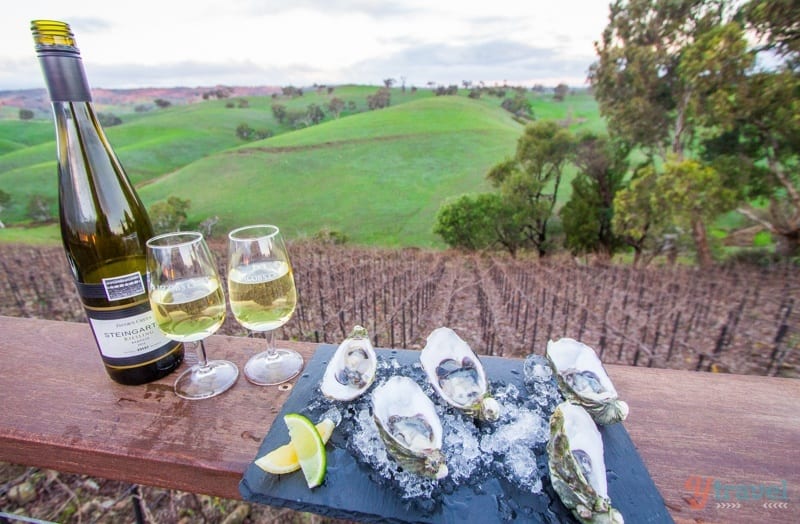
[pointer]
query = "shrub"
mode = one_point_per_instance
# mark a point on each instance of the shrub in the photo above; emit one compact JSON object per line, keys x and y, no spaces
{"x":330,"y":236}
{"x":169,"y":215}
{"x":561,"y":92}
{"x":519,"y":106}
{"x":39,"y":208}
{"x":382,"y":98}
{"x":447,"y":91}
{"x":245,"y":132}
{"x":279,"y":112}
{"x":108,"y":119}
{"x":292,"y":91}
{"x":335,"y":106}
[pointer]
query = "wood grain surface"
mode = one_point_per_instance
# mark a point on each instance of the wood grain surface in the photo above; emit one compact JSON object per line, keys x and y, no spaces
{"x":720,"y":448}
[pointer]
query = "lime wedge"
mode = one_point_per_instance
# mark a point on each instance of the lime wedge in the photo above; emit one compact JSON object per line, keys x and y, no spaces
{"x":284,"y":458}
{"x":309,"y":447}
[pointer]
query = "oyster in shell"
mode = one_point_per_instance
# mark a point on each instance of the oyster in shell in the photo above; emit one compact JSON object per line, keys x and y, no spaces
{"x":409,"y":426}
{"x":352,"y":367}
{"x":583,"y":380}
{"x":577,"y":467}
{"x":457,"y":374}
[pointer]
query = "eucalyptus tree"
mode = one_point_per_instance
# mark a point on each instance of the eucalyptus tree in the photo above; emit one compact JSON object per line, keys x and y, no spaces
{"x":761,"y":128}
{"x":529,"y":182}
{"x":480,"y":221}
{"x":602,"y":167}
{"x":658,"y":62}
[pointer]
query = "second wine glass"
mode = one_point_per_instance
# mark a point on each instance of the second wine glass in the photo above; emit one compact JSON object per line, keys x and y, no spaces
{"x":263,"y":298}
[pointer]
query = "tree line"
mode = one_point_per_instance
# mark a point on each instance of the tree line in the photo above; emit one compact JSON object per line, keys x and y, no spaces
{"x":519,"y":105}
{"x":701,"y":100}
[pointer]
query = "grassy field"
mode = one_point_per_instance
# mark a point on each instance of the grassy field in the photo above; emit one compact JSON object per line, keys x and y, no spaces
{"x":377,"y":176}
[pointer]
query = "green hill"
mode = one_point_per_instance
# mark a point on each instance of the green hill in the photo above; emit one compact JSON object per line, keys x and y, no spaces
{"x":377,"y":176}
{"x":16,"y":135}
{"x":148,"y":144}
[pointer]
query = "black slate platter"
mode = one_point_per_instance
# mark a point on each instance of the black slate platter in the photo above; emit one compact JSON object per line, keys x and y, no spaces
{"x":350,"y":491}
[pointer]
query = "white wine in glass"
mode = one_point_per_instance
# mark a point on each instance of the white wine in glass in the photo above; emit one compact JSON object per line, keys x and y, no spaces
{"x":263,"y":297}
{"x":189,"y":305}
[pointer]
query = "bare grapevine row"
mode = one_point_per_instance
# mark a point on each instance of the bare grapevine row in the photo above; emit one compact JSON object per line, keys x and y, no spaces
{"x":738,"y":319}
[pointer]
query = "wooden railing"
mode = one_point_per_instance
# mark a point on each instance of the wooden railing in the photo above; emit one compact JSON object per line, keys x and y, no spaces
{"x":720,"y":448}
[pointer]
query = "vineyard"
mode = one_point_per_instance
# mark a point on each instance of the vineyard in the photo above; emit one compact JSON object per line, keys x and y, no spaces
{"x":736,"y":319}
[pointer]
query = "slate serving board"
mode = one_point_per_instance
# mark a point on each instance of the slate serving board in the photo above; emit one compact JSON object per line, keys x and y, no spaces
{"x":349,"y":492}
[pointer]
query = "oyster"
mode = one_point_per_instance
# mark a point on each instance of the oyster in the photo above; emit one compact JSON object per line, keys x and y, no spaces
{"x":577,"y":467}
{"x":583,"y":380}
{"x":457,"y":374}
{"x":409,"y":426}
{"x":352,"y":367}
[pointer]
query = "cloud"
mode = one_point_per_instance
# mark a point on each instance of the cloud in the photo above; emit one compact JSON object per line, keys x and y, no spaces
{"x":302,"y":42}
{"x":488,"y":27}
{"x":81,"y":25}
{"x":17,"y":73}
{"x":377,"y":10}
{"x":197,"y":73}
{"x":490,"y":61}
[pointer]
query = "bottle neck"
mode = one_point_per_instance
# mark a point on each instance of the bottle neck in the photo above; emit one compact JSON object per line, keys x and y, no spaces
{"x":65,"y":77}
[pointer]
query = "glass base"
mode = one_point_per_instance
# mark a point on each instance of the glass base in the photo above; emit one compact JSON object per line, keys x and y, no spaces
{"x":204,"y":382}
{"x":267,"y":370}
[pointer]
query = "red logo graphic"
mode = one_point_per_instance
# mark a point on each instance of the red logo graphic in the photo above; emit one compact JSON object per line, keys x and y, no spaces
{"x":700,"y":489}
{"x":731,"y":496}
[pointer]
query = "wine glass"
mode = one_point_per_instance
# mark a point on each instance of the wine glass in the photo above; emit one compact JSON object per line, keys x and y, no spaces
{"x":189,"y":305}
{"x":263,"y":297}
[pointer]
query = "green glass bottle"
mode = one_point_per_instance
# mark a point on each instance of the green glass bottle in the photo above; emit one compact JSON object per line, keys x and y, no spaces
{"x":104,"y":225}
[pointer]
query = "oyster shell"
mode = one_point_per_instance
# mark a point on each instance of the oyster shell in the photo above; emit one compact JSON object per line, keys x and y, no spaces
{"x":352,"y":367}
{"x":583,"y":380}
{"x":577,"y":467}
{"x":457,"y":374}
{"x":409,"y":426}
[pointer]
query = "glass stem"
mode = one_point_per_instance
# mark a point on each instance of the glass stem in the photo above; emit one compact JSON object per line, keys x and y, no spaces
{"x":200,"y":348}
{"x":269,"y":336}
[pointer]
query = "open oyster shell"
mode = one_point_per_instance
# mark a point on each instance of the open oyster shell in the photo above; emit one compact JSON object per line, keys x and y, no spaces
{"x":583,"y":380}
{"x":352,"y":368}
{"x":457,"y":375}
{"x":577,"y":467}
{"x":409,"y":426}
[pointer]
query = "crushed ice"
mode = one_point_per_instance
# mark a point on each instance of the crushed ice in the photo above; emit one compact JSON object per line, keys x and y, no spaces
{"x":513,"y":448}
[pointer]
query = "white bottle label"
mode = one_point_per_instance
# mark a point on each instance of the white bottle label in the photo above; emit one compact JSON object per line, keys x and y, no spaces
{"x":123,"y":338}
{"x":125,"y":286}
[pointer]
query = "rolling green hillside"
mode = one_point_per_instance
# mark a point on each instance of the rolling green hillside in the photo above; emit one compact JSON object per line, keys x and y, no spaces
{"x":377,"y":176}
{"x":149,"y":144}
{"x":16,"y":135}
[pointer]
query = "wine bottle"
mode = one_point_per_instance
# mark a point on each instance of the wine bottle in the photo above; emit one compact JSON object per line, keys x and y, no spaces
{"x":104,"y":225}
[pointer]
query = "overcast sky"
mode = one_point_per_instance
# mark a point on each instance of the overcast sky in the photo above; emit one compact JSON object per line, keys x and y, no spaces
{"x":164,"y":43}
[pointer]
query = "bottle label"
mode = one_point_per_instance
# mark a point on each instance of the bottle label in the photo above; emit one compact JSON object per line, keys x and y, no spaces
{"x":125,"y":286}
{"x":126,"y":335}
